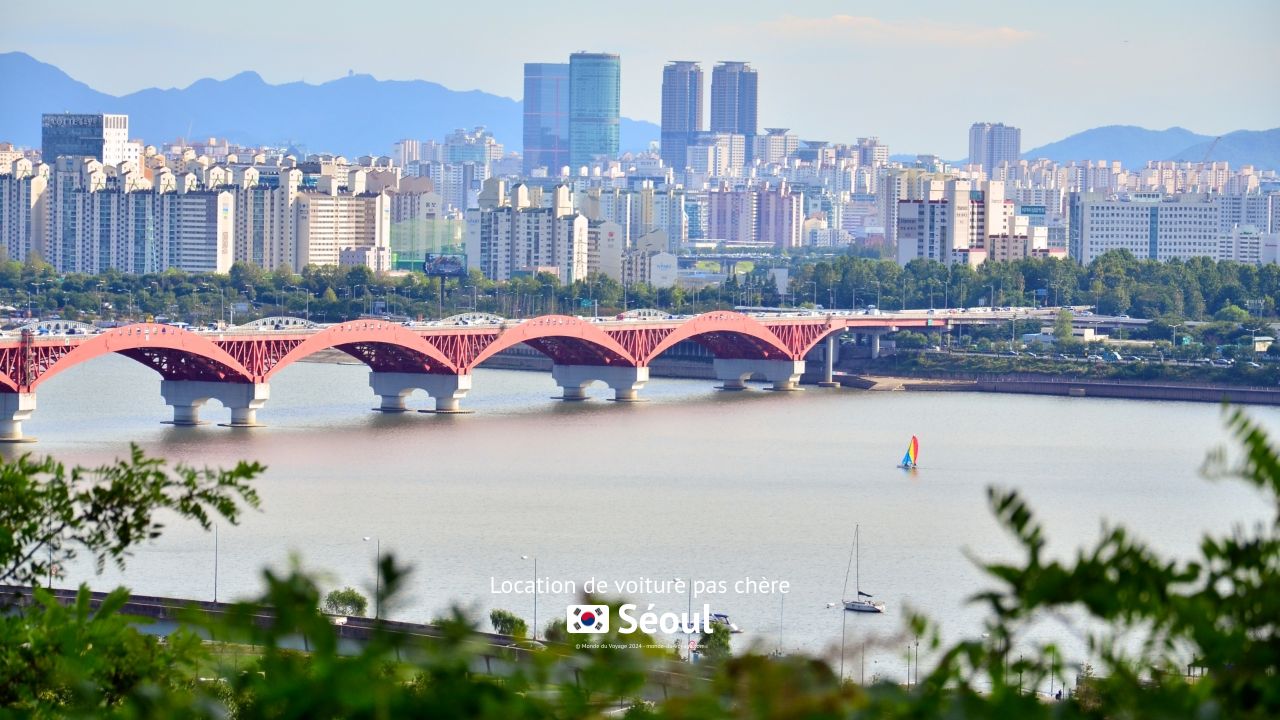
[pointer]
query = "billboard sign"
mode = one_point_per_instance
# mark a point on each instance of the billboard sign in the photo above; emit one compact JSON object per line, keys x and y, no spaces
{"x":445,"y":265}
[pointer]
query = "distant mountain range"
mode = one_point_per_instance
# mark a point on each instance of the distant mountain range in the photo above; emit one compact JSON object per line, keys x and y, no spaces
{"x":353,"y":115}
{"x":1134,"y":146}
{"x":359,"y":115}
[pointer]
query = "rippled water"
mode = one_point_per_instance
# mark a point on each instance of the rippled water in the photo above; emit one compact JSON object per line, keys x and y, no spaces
{"x":695,"y":482}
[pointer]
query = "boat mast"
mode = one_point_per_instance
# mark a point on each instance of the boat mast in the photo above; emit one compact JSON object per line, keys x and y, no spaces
{"x":845,"y":592}
{"x":857,"y":578}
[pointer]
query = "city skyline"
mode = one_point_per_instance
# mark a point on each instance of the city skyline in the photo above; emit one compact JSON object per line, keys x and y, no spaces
{"x":867,"y":53}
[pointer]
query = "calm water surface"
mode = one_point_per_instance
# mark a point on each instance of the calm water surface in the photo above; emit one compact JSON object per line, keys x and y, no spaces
{"x":695,"y":482}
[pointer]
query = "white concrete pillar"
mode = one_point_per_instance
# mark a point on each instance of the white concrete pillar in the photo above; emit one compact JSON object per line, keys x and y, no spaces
{"x":875,"y":345}
{"x":784,"y":374}
{"x":829,"y":362}
{"x":626,"y":381}
{"x":14,"y":409}
{"x":188,"y":396}
{"x":394,"y":388}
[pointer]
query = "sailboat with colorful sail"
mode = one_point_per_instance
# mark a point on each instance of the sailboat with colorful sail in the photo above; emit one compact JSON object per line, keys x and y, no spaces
{"x":913,"y":452}
{"x":860,"y":601}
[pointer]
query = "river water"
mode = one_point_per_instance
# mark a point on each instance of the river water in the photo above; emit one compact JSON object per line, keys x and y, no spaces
{"x":721,"y":487}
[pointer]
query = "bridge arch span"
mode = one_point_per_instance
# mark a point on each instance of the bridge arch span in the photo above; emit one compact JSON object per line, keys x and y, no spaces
{"x":728,"y":335}
{"x":175,"y":353}
{"x":382,"y":345}
{"x":566,"y":340}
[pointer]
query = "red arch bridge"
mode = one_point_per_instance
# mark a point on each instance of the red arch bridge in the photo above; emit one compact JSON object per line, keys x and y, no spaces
{"x":235,"y":365}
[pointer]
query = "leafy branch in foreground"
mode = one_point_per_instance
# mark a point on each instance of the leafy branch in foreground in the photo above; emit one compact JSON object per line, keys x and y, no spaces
{"x":1217,"y":611}
{"x":49,"y":515}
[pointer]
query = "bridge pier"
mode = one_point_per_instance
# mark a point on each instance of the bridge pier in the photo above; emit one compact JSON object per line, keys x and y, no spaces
{"x":626,"y":381}
{"x":14,"y":409}
{"x":734,"y":373}
{"x":875,"y":345}
{"x":394,"y":388}
{"x":829,"y":362}
{"x":188,"y":396}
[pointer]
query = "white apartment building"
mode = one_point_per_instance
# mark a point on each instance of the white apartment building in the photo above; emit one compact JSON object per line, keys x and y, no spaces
{"x":958,"y":221}
{"x":22,"y":208}
{"x":606,"y":247}
{"x":328,"y":223}
{"x":265,"y":214}
{"x":194,"y":229}
{"x":508,"y":234}
{"x":1149,"y":225}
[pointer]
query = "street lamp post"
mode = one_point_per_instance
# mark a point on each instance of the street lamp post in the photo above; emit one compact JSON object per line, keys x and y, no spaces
{"x":844,"y":616}
{"x":688,"y":627}
{"x":377,"y":583}
{"x":535,"y":592}
{"x":815,"y":293}
{"x":917,"y":682}
{"x":215,"y":562}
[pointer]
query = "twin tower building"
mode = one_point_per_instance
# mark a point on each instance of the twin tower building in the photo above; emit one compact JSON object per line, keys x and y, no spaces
{"x":572,"y":112}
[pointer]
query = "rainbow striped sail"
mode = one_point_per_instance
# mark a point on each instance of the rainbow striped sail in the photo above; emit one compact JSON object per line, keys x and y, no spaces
{"x":913,"y":452}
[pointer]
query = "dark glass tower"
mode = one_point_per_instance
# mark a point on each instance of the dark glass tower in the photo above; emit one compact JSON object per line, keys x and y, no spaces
{"x":595,"y":83}
{"x":734,"y":88}
{"x":546,"y":116}
{"x":681,"y":110}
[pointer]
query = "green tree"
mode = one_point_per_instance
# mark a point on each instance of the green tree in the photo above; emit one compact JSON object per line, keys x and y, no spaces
{"x":1062,"y":325}
{"x":1232,"y":314}
{"x":49,"y":515}
{"x":505,"y":622}
{"x":714,"y":645}
{"x":56,"y":656}
{"x":347,"y":601}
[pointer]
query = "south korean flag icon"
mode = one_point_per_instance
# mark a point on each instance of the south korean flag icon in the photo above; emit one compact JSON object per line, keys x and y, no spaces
{"x":587,"y":619}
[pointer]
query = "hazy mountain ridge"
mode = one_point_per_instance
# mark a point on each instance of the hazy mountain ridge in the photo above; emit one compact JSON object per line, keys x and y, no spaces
{"x":339,"y":115}
{"x":342,"y":115}
{"x":1134,"y":146}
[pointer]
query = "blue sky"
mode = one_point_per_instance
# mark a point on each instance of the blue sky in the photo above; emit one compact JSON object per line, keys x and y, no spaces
{"x":915,"y":73}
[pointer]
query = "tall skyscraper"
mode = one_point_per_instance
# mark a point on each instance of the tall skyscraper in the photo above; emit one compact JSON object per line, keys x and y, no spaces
{"x":681,"y":110}
{"x":101,"y":137}
{"x":991,"y":144}
{"x":734,"y":87}
{"x":595,"y":83}
{"x":546,"y":116}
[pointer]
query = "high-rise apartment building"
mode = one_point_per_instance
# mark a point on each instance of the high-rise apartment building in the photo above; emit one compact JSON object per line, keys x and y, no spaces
{"x":734,"y":102}
{"x":329,"y":223}
{"x":775,"y":146}
{"x":595,"y":83}
{"x":958,"y":221}
{"x":991,"y":144}
{"x":681,"y":110}
{"x":22,"y":208}
{"x":508,"y":233}
{"x":104,"y":138}
{"x":546,"y":117}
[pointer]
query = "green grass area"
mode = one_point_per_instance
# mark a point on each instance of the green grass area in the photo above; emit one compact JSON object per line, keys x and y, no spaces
{"x":963,"y":363}
{"x":225,"y":659}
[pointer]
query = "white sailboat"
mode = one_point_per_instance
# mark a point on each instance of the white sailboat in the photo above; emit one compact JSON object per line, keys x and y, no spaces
{"x":861,"y":601}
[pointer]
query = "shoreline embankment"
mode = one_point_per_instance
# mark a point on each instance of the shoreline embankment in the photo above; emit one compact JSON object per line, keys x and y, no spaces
{"x":867,"y":379}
